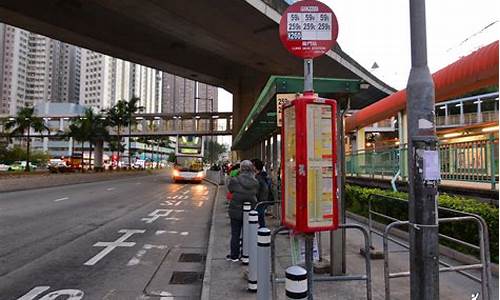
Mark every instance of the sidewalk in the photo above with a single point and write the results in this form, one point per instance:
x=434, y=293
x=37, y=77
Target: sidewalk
x=226, y=279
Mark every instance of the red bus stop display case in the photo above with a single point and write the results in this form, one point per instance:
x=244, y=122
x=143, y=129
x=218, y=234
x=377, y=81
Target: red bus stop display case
x=309, y=176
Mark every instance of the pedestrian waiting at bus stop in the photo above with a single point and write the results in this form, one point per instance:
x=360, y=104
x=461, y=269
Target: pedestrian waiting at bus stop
x=265, y=192
x=244, y=188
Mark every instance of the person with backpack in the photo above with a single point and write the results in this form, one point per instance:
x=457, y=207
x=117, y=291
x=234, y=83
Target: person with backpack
x=244, y=188
x=265, y=192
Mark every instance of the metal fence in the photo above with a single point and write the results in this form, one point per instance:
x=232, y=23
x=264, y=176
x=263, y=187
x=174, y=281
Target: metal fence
x=474, y=161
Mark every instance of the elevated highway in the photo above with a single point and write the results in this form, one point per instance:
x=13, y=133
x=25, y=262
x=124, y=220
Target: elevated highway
x=233, y=44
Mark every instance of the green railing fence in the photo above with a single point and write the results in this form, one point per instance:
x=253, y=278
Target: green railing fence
x=475, y=161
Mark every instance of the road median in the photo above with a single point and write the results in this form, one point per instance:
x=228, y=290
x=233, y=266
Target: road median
x=28, y=182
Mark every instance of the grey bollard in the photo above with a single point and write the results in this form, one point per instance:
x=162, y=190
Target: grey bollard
x=253, y=224
x=296, y=283
x=264, y=263
x=247, y=206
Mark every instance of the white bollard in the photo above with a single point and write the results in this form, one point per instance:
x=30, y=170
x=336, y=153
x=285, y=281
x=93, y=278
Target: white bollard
x=247, y=206
x=253, y=224
x=296, y=283
x=264, y=263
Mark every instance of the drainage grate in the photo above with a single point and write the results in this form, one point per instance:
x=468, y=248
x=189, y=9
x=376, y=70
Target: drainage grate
x=191, y=257
x=186, y=277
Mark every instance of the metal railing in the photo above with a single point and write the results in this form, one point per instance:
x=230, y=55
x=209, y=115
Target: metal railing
x=474, y=161
x=483, y=248
x=367, y=276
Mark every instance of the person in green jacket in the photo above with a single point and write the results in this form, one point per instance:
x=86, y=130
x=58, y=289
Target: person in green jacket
x=235, y=170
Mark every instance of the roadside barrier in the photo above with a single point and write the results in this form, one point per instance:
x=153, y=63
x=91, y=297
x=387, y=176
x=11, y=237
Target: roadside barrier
x=296, y=283
x=247, y=206
x=253, y=223
x=264, y=263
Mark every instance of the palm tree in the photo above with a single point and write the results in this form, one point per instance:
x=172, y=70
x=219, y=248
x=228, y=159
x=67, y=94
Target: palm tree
x=76, y=131
x=132, y=108
x=118, y=116
x=90, y=127
x=21, y=124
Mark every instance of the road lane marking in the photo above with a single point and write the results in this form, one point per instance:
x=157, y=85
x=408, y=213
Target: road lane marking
x=171, y=203
x=157, y=214
x=61, y=199
x=184, y=233
x=158, y=232
x=34, y=292
x=137, y=257
x=110, y=246
x=68, y=294
x=110, y=189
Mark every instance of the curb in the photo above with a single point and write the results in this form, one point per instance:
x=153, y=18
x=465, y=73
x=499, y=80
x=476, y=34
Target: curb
x=205, y=289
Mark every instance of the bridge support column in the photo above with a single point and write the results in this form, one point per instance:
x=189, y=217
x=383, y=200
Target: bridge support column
x=98, y=153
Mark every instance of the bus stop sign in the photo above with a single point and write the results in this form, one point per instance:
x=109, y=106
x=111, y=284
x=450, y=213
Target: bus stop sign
x=308, y=29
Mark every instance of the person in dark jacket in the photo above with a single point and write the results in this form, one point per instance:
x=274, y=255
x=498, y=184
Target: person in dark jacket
x=244, y=188
x=263, y=194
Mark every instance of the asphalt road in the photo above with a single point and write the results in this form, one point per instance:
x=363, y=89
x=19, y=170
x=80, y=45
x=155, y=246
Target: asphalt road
x=135, y=238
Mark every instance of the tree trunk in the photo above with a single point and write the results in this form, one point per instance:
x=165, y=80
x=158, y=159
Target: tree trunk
x=119, y=145
x=83, y=159
x=90, y=156
x=129, y=143
x=27, y=168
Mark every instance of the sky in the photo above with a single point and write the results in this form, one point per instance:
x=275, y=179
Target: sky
x=379, y=31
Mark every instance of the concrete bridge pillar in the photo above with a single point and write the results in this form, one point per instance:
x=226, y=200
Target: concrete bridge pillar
x=98, y=153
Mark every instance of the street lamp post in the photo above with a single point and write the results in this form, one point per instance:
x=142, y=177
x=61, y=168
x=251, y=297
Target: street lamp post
x=423, y=163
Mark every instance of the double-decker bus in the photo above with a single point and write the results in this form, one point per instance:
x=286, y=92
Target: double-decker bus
x=188, y=159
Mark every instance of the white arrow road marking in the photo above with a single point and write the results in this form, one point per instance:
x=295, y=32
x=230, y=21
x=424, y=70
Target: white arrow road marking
x=110, y=246
x=61, y=199
x=156, y=214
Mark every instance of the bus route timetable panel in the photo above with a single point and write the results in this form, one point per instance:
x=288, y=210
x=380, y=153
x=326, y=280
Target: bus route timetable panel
x=319, y=165
x=309, y=26
x=290, y=174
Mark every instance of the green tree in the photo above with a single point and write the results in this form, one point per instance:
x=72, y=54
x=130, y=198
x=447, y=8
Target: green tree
x=132, y=108
x=213, y=150
x=91, y=127
x=21, y=126
x=117, y=116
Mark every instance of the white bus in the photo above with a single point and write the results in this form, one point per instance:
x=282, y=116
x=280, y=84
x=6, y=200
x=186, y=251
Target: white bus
x=188, y=159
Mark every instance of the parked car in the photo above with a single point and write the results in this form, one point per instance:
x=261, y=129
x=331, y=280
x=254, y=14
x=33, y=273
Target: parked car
x=4, y=167
x=21, y=166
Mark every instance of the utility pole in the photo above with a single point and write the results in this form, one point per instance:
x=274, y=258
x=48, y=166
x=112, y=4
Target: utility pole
x=423, y=162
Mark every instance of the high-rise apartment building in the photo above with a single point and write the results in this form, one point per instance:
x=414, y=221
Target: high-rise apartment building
x=104, y=80
x=185, y=95
x=35, y=68
x=13, y=62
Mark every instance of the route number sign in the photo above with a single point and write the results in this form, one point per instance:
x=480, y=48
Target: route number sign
x=308, y=29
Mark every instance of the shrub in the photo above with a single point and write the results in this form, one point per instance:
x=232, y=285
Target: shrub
x=357, y=202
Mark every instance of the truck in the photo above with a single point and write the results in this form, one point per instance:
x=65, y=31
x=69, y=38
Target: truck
x=188, y=164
